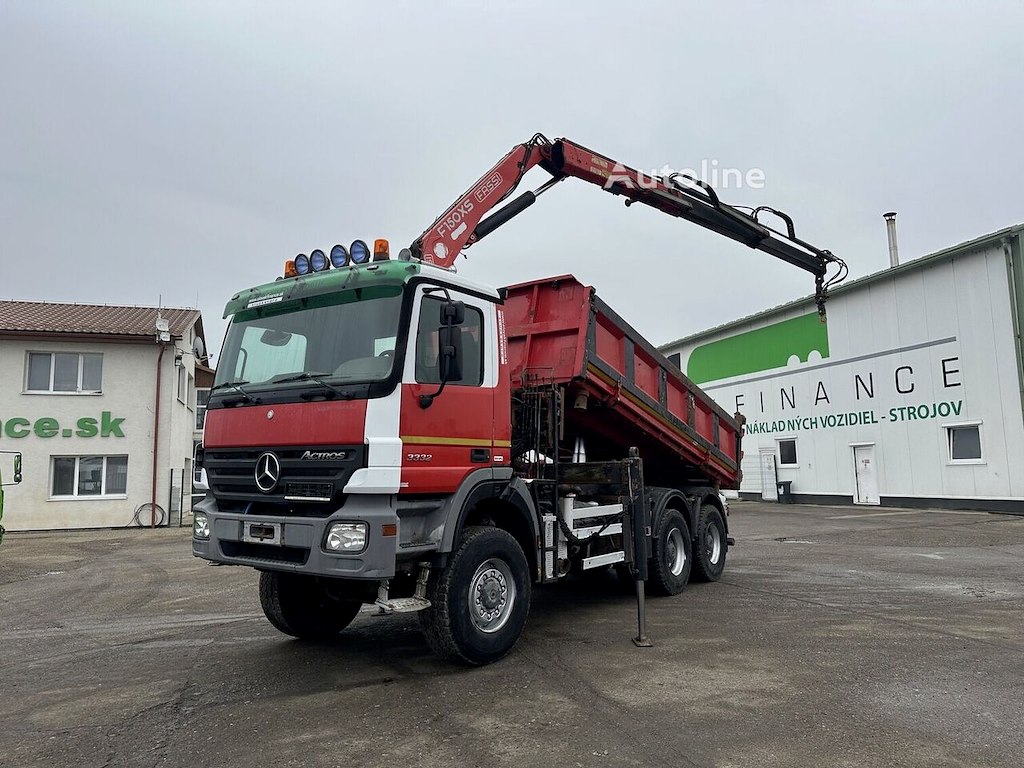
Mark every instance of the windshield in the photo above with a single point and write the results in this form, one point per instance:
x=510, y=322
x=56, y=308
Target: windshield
x=344, y=337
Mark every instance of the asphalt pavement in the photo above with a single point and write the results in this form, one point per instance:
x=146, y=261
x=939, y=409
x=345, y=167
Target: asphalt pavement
x=838, y=636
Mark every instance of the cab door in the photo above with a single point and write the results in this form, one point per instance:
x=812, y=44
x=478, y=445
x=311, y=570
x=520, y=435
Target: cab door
x=454, y=435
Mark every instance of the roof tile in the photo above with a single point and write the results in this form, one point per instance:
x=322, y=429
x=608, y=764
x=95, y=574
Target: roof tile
x=48, y=317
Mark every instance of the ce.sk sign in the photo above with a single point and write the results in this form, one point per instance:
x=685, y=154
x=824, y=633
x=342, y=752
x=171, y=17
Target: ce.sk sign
x=105, y=426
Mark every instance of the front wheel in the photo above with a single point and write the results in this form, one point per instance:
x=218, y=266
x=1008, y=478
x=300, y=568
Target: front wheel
x=480, y=601
x=302, y=607
x=710, y=545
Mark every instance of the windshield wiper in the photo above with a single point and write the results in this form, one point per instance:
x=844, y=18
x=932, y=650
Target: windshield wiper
x=315, y=378
x=237, y=386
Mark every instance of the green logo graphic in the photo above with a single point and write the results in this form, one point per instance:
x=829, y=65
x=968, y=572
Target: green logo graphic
x=759, y=350
x=105, y=426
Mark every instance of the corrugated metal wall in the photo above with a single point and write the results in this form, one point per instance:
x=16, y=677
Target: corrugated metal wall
x=908, y=355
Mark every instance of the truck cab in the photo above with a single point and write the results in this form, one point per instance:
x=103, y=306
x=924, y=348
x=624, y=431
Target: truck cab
x=333, y=399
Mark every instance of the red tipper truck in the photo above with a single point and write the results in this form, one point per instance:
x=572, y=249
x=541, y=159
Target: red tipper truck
x=621, y=390
x=386, y=435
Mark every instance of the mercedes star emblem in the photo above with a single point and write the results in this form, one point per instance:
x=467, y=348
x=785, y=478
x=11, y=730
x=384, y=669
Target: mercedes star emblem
x=268, y=472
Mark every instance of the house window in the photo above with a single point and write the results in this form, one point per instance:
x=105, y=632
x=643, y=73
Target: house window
x=88, y=476
x=190, y=393
x=182, y=385
x=787, y=452
x=64, y=372
x=202, y=398
x=964, y=443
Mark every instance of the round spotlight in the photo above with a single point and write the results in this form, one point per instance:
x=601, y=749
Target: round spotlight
x=302, y=264
x=359, y=252
x=339, y=256
x=318, y=261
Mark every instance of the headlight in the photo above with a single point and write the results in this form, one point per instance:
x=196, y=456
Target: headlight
x=200, y=526
x=347, y=537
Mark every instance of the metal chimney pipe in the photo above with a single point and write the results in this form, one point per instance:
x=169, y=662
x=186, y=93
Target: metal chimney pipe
x=894, y=250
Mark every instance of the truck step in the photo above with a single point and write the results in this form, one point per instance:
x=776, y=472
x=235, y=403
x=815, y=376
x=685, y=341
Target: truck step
x=584, y=532
x=395, y=605
x=602, y=560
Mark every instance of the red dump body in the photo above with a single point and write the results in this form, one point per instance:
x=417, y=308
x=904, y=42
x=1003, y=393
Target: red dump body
x=560, y=332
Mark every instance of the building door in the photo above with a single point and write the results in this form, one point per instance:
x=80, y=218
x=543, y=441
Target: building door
x=769, y=477
x=864, y=471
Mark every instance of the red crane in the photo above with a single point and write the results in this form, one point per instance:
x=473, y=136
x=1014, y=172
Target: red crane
x=677, y=195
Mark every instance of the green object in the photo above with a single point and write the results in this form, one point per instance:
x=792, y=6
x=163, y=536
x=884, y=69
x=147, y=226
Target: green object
x=107, y=425
x=17, y=479
x=318, y=283
x=762, y=349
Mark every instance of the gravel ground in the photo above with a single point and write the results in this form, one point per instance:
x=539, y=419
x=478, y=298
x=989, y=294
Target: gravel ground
x=838, y=636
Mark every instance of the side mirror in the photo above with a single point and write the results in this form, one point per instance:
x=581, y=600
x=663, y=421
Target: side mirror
x=449, y=362
x=453, y=313
x=449, y=343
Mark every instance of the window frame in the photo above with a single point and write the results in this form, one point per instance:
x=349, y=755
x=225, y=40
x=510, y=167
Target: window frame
x=53, y=372
x=796, y=455
x=201, y=409
x=76, y=496
x=182, y=386
x=481, y=373
x=948, y=429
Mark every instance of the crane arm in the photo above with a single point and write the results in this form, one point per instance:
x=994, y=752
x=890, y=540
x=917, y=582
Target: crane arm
x=677, y=195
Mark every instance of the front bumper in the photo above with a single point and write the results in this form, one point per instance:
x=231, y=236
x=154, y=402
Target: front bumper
x=302, y=541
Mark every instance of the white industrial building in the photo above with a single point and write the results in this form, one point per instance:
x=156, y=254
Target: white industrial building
x=910, y=394
x=102, y=403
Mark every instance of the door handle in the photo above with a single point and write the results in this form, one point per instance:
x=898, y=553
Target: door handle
x=479, y=455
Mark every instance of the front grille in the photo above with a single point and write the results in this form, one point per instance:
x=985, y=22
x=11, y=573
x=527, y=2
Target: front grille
x=231, y=473
x=266, y=553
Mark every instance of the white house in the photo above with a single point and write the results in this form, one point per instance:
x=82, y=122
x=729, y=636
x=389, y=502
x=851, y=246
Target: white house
x=910, y=394
x=101, y=402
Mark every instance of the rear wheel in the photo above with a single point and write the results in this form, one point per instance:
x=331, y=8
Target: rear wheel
x=710, y=546
x=480, y=601
x=670, y=563
x=302, y=607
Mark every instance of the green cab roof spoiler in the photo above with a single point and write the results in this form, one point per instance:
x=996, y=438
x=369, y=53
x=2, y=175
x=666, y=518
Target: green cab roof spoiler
x=319, y=283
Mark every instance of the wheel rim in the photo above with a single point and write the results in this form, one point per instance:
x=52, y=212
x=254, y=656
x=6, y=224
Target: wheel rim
x=492, y=595
x=712, y=542
x=675, y=551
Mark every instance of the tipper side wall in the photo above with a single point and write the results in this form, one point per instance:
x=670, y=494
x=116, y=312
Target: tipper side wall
x=621, y=391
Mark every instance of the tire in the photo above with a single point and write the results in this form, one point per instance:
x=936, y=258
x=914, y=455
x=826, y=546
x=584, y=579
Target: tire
x=671, y=561
x=300, y=606
x=709, y=545
x=480, y=601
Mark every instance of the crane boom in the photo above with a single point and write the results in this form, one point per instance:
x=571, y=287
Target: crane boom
x=677, y=195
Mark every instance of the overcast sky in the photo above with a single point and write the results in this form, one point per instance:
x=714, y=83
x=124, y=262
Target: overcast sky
x=186, y=150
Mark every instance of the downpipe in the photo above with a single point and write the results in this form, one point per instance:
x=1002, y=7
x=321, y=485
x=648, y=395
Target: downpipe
x=156, y=434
